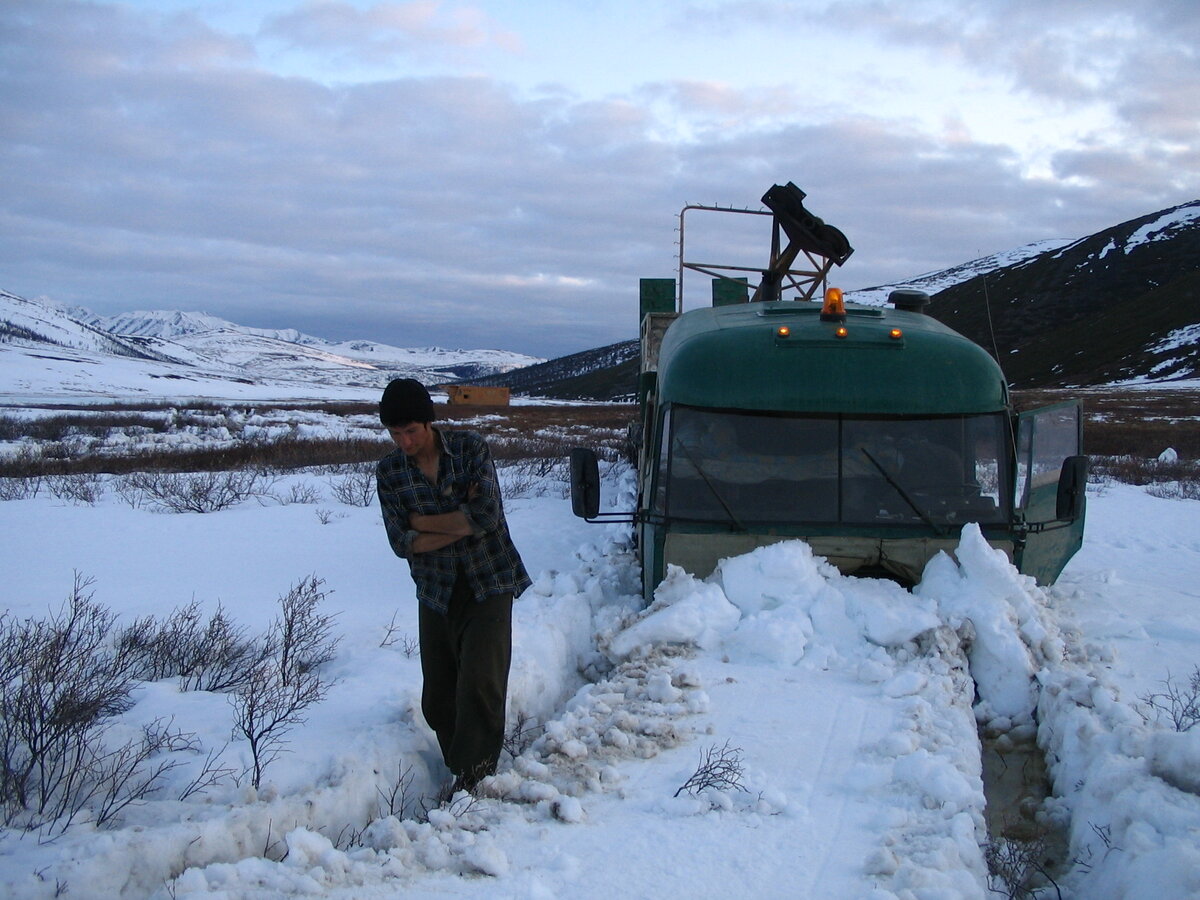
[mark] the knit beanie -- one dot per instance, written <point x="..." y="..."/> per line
<point x="405" y="400"/>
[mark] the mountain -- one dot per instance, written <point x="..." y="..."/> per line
<point x="260" y="348"/>
<point x="1120" y="305"/>
<point x="47" y="350"/>
<point x="160" y="323"/>
<point x="31" y="322"/>
<point x="935" y="282"/>
<point x="606" y="373"/>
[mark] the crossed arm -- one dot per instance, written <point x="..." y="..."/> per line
<point x="412" y="534"/>
<point x="437" y="531"/>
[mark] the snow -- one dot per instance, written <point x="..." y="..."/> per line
<point x="1177" y="338"/>
<point x="852" y="708"/>
<point x="174" y="325"/>
<point x="1169" y="221"/>
<point x="1145" y="383"/>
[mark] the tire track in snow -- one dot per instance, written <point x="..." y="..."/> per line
<point x="828" y="798"/>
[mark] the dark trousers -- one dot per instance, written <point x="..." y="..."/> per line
<point x="465" y="657"/>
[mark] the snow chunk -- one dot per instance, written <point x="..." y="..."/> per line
<point x="484" y="856"/>
<point x="567" y="809"/>
<point x="315" y="854"/>
<point x="905" y="684"/>
<point x="773" y="576"/>
<point x="791" y="600"/>
<point x="1174" y="756"/>
<point x="1001" y="605"/>
<point x="685" y="611"/>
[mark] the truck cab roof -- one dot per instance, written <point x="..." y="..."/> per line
<point x="784" y="356"/>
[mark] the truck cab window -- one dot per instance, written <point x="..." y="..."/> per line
<point x="1046" y="437"/>
<point x="750" y="468"/>
<point x="942" y="469"/>
<point x="744" y="469"/>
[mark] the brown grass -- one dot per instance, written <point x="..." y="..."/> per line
<point x="1140" y="424"/>
<point x="516" y="433"/>
<point x="1124" y="433"/>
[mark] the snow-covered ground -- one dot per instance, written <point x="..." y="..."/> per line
<point x="845" y="711"/>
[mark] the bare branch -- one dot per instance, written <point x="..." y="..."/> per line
<point x="720" y="769"/>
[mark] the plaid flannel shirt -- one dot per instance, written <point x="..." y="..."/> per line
<point x="487" y="558"/>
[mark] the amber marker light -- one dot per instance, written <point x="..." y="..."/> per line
<point x="834" y="307"/>
<point x="783" y="331"/>
<point x="841" y="331"/>
<point x="895" y="334"/>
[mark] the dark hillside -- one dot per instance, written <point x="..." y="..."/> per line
<point x="1093" y="312"/>
<point x="604" y="374"/>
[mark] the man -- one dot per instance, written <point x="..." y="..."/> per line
<point x="443" y="513"/>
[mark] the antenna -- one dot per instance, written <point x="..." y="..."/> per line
<point x="987" y="307"/>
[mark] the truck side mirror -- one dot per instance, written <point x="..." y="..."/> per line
<point x="1072" y="488"/>
<point x="585" y="483"/>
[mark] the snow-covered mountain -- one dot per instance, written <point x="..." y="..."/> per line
<point x="33" y="323"/>
<point x="47" y="349"/>
<point x="933" y="282"/>
<point x="165" y="324"/>
<point x="1118" y="306"/>
<point x="200" y="330"/>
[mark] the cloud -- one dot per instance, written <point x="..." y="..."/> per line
<point x="1104" y="52"/>
<point x="1138" y="66"/>
<point x="387" y="30"/>
<point x="151" y="161"/>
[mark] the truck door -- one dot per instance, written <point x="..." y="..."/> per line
<point x="1050" y="479"/>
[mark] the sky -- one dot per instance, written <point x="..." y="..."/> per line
<point x="495" y="174"/>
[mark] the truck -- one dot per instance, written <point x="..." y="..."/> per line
<point x="873" y="433"/>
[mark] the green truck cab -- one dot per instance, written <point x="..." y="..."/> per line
<point x="875" y="434"/>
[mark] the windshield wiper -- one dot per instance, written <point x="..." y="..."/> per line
<point x="938" y="529"/>
<point x="712" y="487"/>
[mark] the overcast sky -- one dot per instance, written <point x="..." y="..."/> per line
<point x="499" y="173"/>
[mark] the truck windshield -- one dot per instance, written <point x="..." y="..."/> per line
<point x="743" y="469"/>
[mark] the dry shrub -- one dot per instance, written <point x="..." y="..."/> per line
<point x="288" y="678"/>
<point x="720" y="769"/>
<point x="64" y="678"/>
<point x="1177" y="702"/>
<point x="80" y="488"/>
<point x="212" y="655"/>
<point x="20" y="488"/>
<point x="201" y="492"/>
<point x="1020" y="868"/>
<point x="539" y="434"/>
<point x="1142" y="471"/>
<point x="355" y="487"/>
<point x="60" y="685"/>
